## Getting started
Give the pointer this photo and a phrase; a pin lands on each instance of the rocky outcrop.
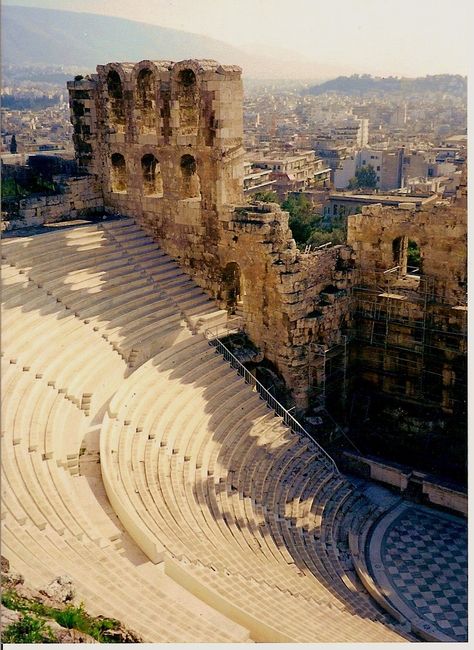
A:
(48, 603)
(60, 589)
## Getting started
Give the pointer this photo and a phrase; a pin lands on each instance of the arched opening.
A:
(399, 251)
(190, 184)
(188, 102)
(232, 288)
(152, 180)
(187, 77)
(118, 173)
(116, 109)
(413, 258)
(77, 108)
(146, 103)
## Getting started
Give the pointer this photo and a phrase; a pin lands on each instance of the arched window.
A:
(188, 102)
(189, 178)
(118, 176)
(399, 250)
(187, 78)
(413, 258)
(407, 256)
(146, 102)
(232, 287)
(152, 180)
(116, 109)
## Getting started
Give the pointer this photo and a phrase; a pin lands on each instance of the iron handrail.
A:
(273, 403)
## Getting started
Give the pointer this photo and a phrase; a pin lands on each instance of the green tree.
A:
(302, 219)
(413, 254)
(335, 235)
(365, 178)
(353, 184)
(266, 197)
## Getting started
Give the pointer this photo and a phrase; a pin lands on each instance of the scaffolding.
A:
(327, 371)
(397, 317)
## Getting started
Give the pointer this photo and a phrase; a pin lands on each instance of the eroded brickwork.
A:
(408, 352)
(164, 141)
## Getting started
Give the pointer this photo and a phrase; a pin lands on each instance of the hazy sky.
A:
(387, 36)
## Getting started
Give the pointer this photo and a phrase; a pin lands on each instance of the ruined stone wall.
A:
(79, 197)
(291, 300)
(410, 329)
(165, 142)
(440, 231)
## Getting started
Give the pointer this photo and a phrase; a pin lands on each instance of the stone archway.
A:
(232, 287)
(146, 104)
(116, 108)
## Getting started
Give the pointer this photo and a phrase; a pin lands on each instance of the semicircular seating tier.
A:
(220, 523)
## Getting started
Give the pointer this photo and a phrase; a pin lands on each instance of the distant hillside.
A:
(363, 84)
(51, 37)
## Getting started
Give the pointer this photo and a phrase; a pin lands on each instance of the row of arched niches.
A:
(186, 182)
(162, 98)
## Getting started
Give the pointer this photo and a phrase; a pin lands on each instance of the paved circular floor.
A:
(418, 557)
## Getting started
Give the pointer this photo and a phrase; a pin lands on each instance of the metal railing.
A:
(233, 325)
(273, 403)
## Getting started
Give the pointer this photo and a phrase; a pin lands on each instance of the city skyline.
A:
(389, 38)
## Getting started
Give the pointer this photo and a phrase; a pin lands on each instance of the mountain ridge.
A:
(362, 84)
(55, 37)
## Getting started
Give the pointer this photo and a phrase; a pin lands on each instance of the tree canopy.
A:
(365, 178)
(302, 220)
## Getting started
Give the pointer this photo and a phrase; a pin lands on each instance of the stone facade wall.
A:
(440, 231)
(79, 197)
(411, 328)
(400, 477)
(186, 118)
(164, 141)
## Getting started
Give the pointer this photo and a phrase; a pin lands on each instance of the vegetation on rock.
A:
(33, 626)
(29, 629)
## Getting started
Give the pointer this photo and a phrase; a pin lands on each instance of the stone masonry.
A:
(164, 141)
(411, 327)
(78, 197)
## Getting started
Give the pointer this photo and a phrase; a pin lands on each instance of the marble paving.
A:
(418, 557)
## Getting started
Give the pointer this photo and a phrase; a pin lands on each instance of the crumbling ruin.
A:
(164, 140)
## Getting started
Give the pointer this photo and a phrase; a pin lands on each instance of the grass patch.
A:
(78, 619)
(72, 617)
(28, 629)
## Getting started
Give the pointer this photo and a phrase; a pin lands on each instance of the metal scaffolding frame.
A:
(378, 301)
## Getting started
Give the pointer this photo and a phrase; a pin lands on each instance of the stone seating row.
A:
(171, 444)
(101, 264)
(199, 310)
(36, 442)
(193, 301)
(41, 507)
(132, 331)
(188, 507)
(203, 475)
(173, 449)
(112, 586)
(268, 614)
(124, 237)
(37, 414)
(58, 347)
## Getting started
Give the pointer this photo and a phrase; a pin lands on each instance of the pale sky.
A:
(410, 37)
